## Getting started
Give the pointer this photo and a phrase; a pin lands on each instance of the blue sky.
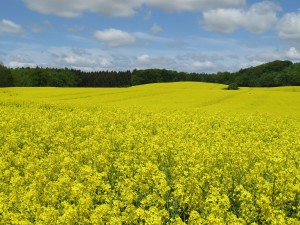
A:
(183, 35)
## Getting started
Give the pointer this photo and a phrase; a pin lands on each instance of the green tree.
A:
(268, 79)
(233, 86)
(292, 75)
(6, 79)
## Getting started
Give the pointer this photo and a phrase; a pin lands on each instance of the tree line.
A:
(272, 74)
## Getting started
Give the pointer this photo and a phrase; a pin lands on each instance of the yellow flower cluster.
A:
(74, 165)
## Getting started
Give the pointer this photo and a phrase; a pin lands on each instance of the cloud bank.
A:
(122, 8)
(113, 37)
(289, 27)
(259, 18)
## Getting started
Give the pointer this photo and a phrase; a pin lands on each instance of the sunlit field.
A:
(212, 98)
(174, 153)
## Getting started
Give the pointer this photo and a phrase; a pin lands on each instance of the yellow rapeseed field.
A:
(176, 153)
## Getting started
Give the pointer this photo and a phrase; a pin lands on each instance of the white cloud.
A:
(76, 60)
(201, 57)
(127, 58)
(122, 8)
(86, 62)
(208, 62)
(10, 27)
(75, 8)
(143, 58)
(271, 54)
(202, 65)
(266, 55)
(259, 18)
(155, 29)
(146, 61)
(150, 37)
(114, 37)
(15, 64)
(289, 27)
(193, 5)
(79, 58)
(222, 20)
(293, 53)
(95, 59)
(21, 61)
(201, 62)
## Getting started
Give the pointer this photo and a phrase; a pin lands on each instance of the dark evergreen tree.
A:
(6, 79)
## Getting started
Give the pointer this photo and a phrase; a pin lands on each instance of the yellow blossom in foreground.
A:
(69, 164)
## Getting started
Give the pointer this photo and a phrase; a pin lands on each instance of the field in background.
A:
(284, 101)
(175, 153)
